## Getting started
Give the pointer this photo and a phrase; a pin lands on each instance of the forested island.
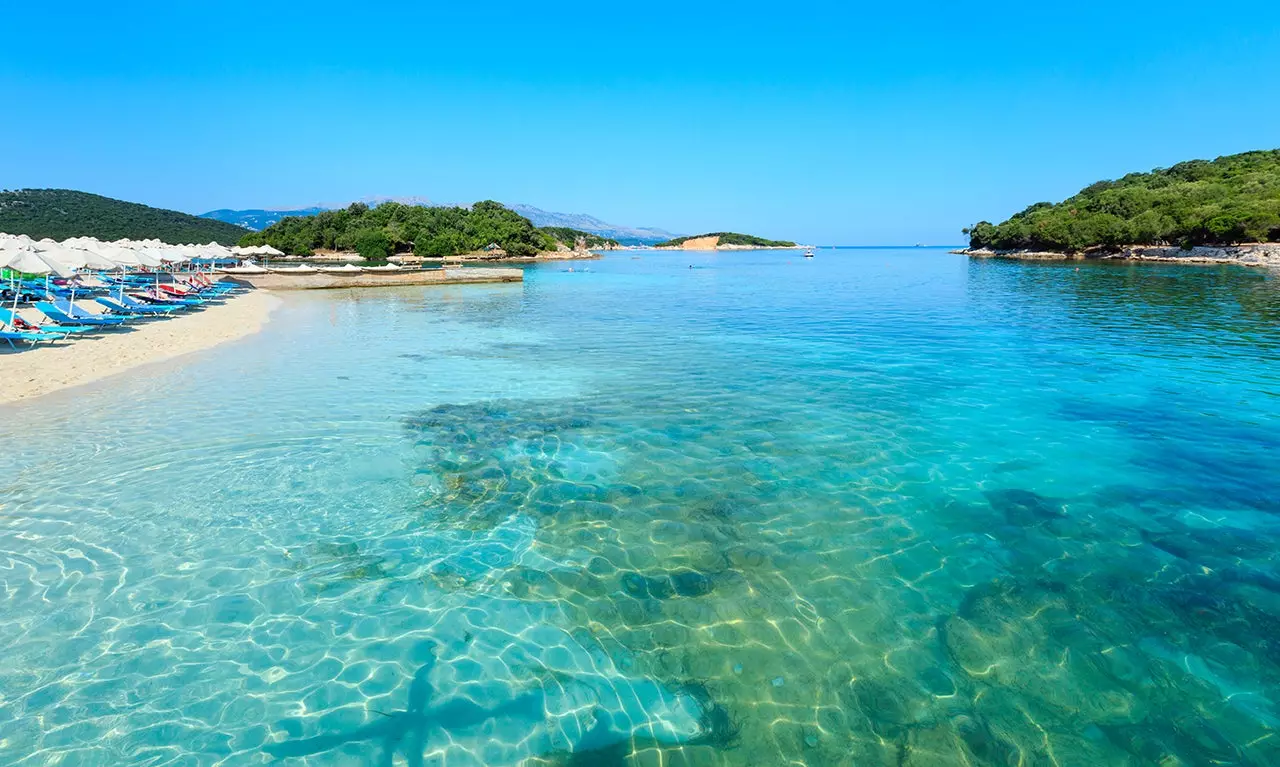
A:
(1223, 202)
(713, 240)
(431, 232)
(63, 213)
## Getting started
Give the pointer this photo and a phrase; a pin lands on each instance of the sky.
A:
(849, 123)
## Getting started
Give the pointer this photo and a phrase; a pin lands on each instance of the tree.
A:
(372, 244)
(1226, 229)
(1227, 200)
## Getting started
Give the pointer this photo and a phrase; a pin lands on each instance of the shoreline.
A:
(32, 373)
(1260, 254)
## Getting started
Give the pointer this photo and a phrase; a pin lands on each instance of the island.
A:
(486, 230)
(723, 241)
(1209, 211)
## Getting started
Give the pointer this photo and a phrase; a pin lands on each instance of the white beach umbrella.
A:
(213, 252)
(171, 255)
(30, 261)
(129, 257)
(75, 259)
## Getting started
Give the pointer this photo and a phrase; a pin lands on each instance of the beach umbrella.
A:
(171, 255)
(30, 261)
(72, 258)
(214, 252)
(126, 257)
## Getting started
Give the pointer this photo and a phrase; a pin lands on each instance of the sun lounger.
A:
(58, 315)
(153, 297)
(83, 316)
(132, 302)
(31, 338)
(146, 310)
(11, 320)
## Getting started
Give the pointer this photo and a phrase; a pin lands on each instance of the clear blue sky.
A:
(855, 123)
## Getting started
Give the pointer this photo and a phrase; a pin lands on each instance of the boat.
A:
(808, 253)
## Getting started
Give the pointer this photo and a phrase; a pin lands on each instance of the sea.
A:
(884, 506)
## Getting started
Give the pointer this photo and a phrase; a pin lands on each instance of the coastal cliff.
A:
(1266, 254)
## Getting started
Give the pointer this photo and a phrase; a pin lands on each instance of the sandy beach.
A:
(32, 372)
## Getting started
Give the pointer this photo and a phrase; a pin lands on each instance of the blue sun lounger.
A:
(31, 338)
(142, 306)
(167, 300)
(84, 316)
(14, 322)
(118, 307)
(57, 315)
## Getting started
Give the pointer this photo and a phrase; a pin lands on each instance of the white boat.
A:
(808, 253)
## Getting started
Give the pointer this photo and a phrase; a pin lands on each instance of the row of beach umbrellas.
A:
(64, 258)
(256, 250)
(22, 254)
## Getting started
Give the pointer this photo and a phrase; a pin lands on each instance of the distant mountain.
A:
(258, 219)
(63, 213)
(624, 234)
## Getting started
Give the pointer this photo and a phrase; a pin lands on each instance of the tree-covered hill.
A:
(432, 232)
(1228, 200)
(573, 237)
(729, 238)
(63, 213)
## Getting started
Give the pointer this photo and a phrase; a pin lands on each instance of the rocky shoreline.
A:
(1264, 254)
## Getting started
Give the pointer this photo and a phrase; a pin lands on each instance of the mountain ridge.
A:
(63, 213)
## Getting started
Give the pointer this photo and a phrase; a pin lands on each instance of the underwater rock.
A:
(508, 699)
(682, 583)
(688, 583)
(1187, 740)
(892, 705)
(1023, 508)
(1206, 544)
(986, 745)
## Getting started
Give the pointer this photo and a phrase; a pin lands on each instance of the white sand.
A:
(75, 361)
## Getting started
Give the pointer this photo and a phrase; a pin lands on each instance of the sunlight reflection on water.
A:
(884, 507)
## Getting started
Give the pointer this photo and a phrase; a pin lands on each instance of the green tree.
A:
(373, 245)
(1230, 199)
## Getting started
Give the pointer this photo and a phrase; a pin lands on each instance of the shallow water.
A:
(880, 507)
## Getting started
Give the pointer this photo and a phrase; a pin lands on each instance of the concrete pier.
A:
(327, 280)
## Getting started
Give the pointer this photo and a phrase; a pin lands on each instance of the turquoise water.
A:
(880, 507)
